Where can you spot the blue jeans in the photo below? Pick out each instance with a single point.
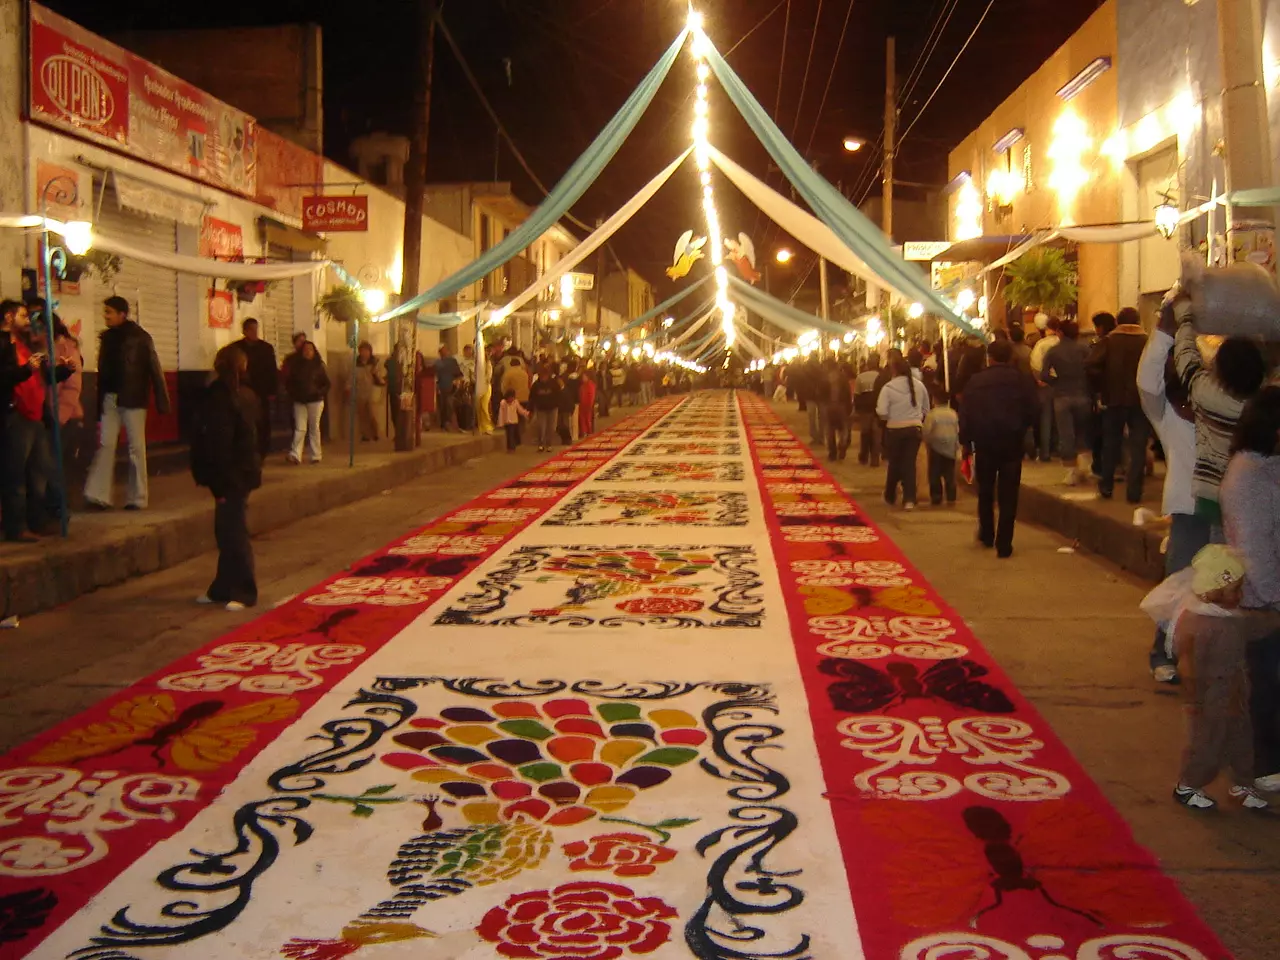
(1072, 414)
(24, 475)
(1046, 422)
(1115, 420)
(1188, 534)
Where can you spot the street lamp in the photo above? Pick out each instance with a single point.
(852, 144)
(1167, 216)
(77, 237)
(375, 300)
(783, 255)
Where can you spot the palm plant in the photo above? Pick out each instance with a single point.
(1041, 278)
(344, 304)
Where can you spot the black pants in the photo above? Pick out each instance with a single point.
(901, 447)
(235, 579)
(264, 425)
(838, 435)
(26, 463)
(513, 435)
(1115, 420)
(942, 476)
(869, 439)
(1264, 703)
(564, 427)
(998, 474)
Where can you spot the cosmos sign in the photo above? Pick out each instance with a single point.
(335, 214)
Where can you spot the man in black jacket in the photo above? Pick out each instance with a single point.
(128, 371)
(998, 409)
(263, 378)
(1114, 367)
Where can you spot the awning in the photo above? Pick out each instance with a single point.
(281, 234)
(150, 200)
(981, 249)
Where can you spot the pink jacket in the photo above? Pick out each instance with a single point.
(69, 405)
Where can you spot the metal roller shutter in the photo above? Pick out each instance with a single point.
(275, 314)
(152, 291)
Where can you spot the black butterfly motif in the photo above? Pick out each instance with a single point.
(24, 911)
(862, 687)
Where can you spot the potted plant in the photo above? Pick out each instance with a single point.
(344, 304)
(1041, 279)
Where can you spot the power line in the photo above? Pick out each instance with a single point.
(813, 39)
(926, 54)
(968, 40)
(760, 23)
(786, 25)
(830, 76)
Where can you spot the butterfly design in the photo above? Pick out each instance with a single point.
(1059, 863)
(862, 688)
(199, 738)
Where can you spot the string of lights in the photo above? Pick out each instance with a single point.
(701, 155)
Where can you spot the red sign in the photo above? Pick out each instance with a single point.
(335, 214)
(84, 85)
(221, 240)
(222, 309)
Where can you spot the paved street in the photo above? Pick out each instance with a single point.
(1064, 626)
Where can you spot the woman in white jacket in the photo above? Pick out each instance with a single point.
(903, 403)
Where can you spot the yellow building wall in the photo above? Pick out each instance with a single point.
(1043, 158)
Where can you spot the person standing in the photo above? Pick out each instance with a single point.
(570, 389)
(369, 378)
(1168, 407)
(448, 373)
(1044, 389)
(942, 439)
(998, 409)
(1115, 365)
(1066, 370)
(1103, 324)
(902, 405)
(544, 399)
(587, 404)
(308, 386)
(225, 459)
(837, 397)
(510, 412)
(129, 372)
(864, 405)
(263, 378)
(65, 406)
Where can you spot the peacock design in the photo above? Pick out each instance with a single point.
(514, 773)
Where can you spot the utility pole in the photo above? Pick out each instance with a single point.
(890, 147)
(415, 181)
(1245, 123)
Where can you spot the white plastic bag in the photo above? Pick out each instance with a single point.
(1163, 603)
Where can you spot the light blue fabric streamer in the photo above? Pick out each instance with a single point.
(665, 304)
(849, 224)
(563, 195)
(781, 313)
(698, 311)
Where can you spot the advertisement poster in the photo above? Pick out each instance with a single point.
(221, 240)
(335, 214)
(63, 191)
(86, 86)
(222, 309)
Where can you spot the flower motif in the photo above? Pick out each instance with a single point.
(626, 854)
(584, 921)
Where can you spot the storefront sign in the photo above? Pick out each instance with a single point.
(221, 240)
(84, 85)
(583, 281)
(923, 249)
(335, 214)
(222, 309)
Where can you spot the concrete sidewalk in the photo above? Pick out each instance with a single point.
(107, 548)
(1078, 514)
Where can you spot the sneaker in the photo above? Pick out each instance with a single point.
(292, 460)
(1249, 798)
(1167, 673)
(97, 506)
(1193, 798)
(1270, 783)
(1004, 553)
(1071, 479)
(908, 506)
(132, 506)
(204, 599)
(235, 606)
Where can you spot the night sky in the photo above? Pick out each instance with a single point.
(556, 70)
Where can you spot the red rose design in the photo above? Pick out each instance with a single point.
(577, 921)
(659, 605)
(626, 854)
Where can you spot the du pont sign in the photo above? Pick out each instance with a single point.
(335, 214)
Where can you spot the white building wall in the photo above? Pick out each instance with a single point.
(12, 155)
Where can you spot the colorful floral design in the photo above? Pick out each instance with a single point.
(560, 763)
(660, 606)
(626, 854)
(578, 921)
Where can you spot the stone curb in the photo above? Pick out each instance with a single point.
(68, 570)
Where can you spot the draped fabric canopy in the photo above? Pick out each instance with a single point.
(563, 195)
